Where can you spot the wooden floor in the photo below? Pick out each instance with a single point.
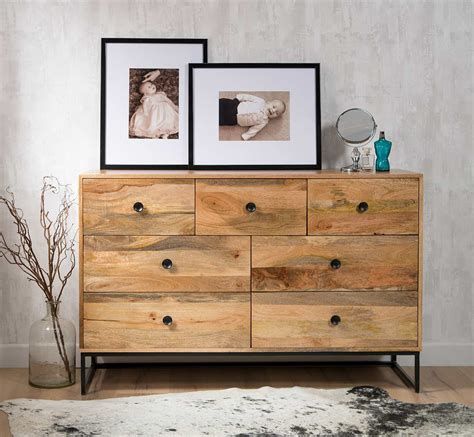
(439, 384)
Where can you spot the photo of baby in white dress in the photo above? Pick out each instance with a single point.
(254, 115)
(153, 103)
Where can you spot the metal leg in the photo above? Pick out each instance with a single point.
(86, 377)
(415, 383)
(83, 374)
(417, 372)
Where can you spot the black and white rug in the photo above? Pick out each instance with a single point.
(234, 412)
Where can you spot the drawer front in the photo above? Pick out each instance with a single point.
(362, 207)
(179, 263)
(334, 263)
(138, 206)
(198, 320)
(334, 320)
(225, 207)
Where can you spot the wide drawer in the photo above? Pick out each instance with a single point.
(170, 320)
(362, 206)
(138, 206)
(179, 263)
(251, 206)
(334, 320)
(334, 263)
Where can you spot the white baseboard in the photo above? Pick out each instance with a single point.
(434, 354)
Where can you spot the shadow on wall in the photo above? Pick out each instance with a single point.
(332, 149)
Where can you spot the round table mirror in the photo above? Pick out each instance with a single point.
(356, 127)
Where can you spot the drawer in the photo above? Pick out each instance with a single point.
(178, 263)
(167, 206)
(225, 207)
(362, 206)
(198, 320)
(334, 320)
(335, 263)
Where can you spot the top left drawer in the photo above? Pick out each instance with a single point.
(138, 206)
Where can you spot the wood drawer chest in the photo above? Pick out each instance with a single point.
(315, 262)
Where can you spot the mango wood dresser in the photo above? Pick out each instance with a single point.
(250, 263)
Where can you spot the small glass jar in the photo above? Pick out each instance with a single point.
(367, 159)
(52, 352)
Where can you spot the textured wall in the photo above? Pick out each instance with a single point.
(407, 62)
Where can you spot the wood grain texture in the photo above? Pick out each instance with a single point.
(81, 268)
(303, 263)
(108, 206)
(368, 319)
(392, 207)
(265, 350)
(200, 320)
(420, 261)
(134, 263)
(281, 207)
(245, 174)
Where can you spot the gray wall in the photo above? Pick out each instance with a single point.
(407, 62)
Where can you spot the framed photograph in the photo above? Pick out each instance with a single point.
(254, 116)
(144, 102)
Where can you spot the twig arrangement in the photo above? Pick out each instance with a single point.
(60, 240)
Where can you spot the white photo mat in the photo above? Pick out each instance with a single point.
(300, 150)
(119, 149)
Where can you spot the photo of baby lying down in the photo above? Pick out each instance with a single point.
(254, 115)
(153, 103)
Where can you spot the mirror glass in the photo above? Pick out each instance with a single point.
(356, 126)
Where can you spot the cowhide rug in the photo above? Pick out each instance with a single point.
(235, 412)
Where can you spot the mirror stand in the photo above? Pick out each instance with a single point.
(356, 127)
(355, 167)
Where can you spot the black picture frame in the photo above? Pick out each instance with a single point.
(315, 166)
(103, 97)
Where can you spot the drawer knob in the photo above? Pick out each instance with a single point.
(335, 320)
(167, 264)
(335, 264)
(167, 320)
(362, 207)
(251, 207)
(138, 206)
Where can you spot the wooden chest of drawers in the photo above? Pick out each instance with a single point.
(250, 261)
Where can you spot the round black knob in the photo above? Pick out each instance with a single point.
(167, 320)
(138, 206)
(335, 264)
(251, 207)
(335, 320)
(362, 207)
(167, 263)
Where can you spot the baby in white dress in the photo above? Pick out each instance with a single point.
(156, 117)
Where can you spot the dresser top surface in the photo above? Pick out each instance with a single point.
(285, 174)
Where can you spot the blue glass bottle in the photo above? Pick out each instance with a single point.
(382, 150)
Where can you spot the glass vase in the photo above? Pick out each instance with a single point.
(52, 356)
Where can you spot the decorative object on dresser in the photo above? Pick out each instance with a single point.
(356, 127)
(52, 339)
(144, 101)
(254, 116)
(297, 263)
(382, 149)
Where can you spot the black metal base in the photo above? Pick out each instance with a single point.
(87, 377)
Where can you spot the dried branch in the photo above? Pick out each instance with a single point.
(58, 236)
(60, 244)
